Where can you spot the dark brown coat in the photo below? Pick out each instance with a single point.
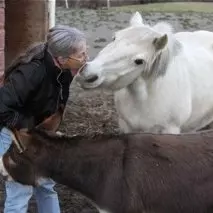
(134, 173)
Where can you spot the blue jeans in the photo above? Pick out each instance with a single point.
(18, 195)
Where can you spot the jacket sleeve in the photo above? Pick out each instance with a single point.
(14, 94)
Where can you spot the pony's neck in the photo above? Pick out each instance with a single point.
(84, 166)
(138, 89)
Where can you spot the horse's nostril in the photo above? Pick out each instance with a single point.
(92, 79)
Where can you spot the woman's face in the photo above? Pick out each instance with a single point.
(75, 61)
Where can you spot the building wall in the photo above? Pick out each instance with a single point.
(26, 23)
(2, 34)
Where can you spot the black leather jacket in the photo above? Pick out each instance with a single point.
(32, 92)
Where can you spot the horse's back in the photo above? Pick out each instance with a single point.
(199, 37)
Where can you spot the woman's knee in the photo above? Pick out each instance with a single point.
(47, 184)
(16, 192)
(17, 197)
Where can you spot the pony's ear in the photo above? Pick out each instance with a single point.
(161, 42)
(136, 19)
(53, 122)
(21, 138)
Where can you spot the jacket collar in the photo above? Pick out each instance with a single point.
(52, 70)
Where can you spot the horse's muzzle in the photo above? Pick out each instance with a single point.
(91, 79)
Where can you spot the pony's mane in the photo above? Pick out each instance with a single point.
(54, 138)
(51, 137)
(163, 27)
(166, 28)
(159, 66)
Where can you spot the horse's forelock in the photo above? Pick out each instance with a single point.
(157, 65)
(163, 28)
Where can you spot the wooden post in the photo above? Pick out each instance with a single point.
(66, 3)
(30, 25)
(108, 4)
(52, 8)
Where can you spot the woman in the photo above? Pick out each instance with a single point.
(35, 85)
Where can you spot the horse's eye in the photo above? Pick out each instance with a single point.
(139, 61)
(113, 38)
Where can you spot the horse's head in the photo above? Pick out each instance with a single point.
(131, 53)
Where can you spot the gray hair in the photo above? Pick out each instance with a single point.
(61, 41)
(64, 40)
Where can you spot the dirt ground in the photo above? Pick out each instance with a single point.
(89, 112)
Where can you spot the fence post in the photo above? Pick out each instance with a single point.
(108, 4)
(52, 5)
(66, 3)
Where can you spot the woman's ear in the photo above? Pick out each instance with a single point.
(61, 60)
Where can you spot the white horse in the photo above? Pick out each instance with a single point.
(162, 81)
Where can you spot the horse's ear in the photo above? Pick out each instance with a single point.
(160, 42)
(136, 19)
(53, 122)
(21, 138)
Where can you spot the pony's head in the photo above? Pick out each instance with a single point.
(134, 51)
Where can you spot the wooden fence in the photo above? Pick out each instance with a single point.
(103, 3)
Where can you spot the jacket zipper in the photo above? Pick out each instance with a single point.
(60, 95)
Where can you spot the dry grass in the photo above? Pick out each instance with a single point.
(204, 7)
(90, 111)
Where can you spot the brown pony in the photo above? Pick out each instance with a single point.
(124, 173)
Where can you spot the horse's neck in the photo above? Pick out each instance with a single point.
(142, 89)
(138, 89)
(85, 166)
